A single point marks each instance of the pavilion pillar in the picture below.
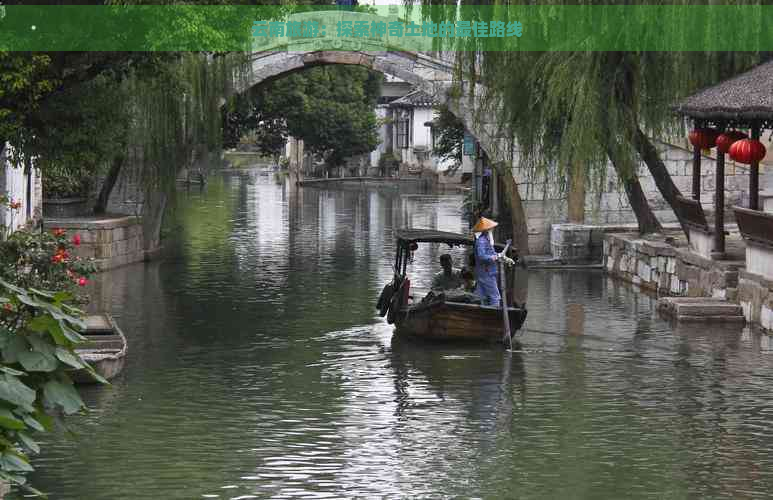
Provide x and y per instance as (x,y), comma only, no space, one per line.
(696,173)
(719,208)
(754,175)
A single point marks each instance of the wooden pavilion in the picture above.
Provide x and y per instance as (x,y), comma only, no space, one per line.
(742,103)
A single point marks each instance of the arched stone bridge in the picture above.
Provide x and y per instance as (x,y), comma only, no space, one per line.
(408,58)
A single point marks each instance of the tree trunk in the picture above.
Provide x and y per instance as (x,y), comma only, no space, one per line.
(655,165)
(517,214)
(647,221)
(107,186)
(576,197)
(153,211)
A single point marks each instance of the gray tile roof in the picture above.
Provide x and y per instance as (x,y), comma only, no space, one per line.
(414,98)
(748,96)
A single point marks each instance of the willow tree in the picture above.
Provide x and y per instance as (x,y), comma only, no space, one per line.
(572,112)
(176,122)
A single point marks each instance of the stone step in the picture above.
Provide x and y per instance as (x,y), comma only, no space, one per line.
(700,309)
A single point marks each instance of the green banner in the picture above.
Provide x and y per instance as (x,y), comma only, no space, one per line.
(383,27)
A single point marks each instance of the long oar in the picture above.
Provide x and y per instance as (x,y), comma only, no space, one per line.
(507,339)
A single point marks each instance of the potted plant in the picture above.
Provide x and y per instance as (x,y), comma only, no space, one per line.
(66,191)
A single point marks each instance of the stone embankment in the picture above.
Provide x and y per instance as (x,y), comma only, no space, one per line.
(112,241)
(665,265)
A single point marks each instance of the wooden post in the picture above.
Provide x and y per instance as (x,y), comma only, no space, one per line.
(754,175)
(719,208)
(494,193)
(507,337)
(696,173)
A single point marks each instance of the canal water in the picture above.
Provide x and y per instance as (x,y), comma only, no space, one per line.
(258,368)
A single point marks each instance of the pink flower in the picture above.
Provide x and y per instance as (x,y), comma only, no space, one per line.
(82,281)
(76,240)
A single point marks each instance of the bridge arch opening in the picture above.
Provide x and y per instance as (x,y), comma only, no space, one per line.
(429,74)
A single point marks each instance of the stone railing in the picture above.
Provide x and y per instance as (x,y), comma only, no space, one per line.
(700,233)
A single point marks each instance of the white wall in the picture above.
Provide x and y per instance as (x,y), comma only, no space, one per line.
(421,134)
(375,155)
(13,184)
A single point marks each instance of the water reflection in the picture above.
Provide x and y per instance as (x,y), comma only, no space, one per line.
(258,368)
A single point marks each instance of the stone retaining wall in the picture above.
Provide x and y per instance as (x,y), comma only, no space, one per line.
(755,294)
(668,270)
(657,266)
(112,241)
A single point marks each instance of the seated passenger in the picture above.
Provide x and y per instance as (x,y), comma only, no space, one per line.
(466,291)
(449,278)
(468,279)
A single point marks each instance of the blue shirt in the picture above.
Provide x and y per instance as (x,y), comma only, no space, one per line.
(486,271)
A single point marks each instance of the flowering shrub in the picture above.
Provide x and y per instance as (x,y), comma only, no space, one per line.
(38,335)
(45,260)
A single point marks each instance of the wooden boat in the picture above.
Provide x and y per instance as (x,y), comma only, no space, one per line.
(445,320)
(105,349)
(440,316)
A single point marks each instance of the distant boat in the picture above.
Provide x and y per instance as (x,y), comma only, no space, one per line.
(105,349)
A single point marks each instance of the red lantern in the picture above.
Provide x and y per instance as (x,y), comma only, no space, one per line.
(704,138)
(724,141)
(747,151)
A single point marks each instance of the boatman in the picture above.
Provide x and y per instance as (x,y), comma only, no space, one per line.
(486,263)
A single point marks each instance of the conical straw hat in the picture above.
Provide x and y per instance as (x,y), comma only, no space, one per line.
(484,224)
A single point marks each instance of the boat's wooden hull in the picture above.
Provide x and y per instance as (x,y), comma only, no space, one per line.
(105,351)
(457,321)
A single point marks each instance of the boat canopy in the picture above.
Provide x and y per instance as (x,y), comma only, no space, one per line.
(408,236)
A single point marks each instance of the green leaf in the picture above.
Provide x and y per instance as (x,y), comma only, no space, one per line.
(69,358)
(99,378)
(9,421)
(41,323)
(46,323)
(46,420)
(41,343)
(5,337)
(41,292)
(11,287)
(28,442)
(62,296)
(71,334)
(36,361)
(15,346)
(15,392)
(56,393)
(11,371)
(30,301)
(33,423)
(13,478)
(10,461)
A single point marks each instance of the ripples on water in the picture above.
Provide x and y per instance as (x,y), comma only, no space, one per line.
(257,368)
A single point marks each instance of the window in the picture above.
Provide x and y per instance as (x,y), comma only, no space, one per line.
(402,133)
